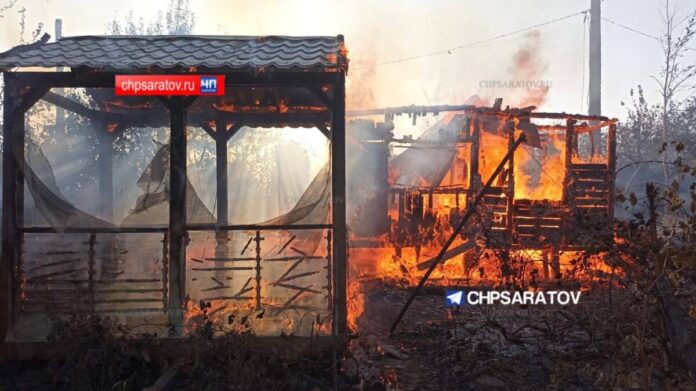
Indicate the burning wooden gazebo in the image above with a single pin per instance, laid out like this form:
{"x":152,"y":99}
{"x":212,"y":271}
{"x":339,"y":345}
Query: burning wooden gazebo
{"x":566,"y":199}
{"x":270,"y":82}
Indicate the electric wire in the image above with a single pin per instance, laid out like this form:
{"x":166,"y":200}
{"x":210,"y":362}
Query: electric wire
{"x":477,"y":43}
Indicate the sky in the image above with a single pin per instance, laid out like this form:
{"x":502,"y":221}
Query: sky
{"x":378,"y":31}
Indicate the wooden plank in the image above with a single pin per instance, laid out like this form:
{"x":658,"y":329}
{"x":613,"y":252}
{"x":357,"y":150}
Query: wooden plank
{"x":537,"y":231}
{"x":611,"y":167}
{"x":89,"y":230}
{"x":86,"y":77}
{"x":493,"y":190}
{"x":475,"y":181}
{"x":526,"y":213}
{"x":537,"y":221}
{"x":570,"y":130}
{"x":590,"y":202}
{"x":591,"y":174}
{"x":255,"y":227}
{"x":594,"y":185}
{"x":338,"y":190}
{"x":13,"y":201}
{"x":590,"y":193}
{"x":588,"y":166}
{"x":221,"y":140}
{"x":461,"y":249}
{"x":177,"y":212}
{"x":493,"y":200}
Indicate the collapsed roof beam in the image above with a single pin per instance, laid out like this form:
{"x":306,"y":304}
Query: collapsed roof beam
{"x":491,"y":111}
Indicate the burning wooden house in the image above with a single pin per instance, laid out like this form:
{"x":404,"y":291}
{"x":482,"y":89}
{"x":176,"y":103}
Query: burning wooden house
{"x":550,"y":199}
{"x":106,"y":208}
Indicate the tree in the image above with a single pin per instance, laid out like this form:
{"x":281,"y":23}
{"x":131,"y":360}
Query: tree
{"x":673,"y":75}
{"x":178,"y":19}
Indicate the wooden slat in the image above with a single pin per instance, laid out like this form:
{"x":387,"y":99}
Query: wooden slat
{"x":590,"y":202}
{"x":529,"y":221}
{"x":584,"y":193}
{"x":493,"y":200}
{"x":588,"y":166}
{"x":590,"y":185}
{"x":591,"y":174}
{"x":494,"y":191}
{"x":535,"y":214}
{"x":536,"y":231}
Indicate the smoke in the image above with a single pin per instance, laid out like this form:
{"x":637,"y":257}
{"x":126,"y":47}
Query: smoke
{"x":361,"y":81}
{"x":527,"y":69}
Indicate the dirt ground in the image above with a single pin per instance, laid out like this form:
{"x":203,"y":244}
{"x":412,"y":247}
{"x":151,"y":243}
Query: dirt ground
{"x":475,"y":347}
{"x":472,"y":348}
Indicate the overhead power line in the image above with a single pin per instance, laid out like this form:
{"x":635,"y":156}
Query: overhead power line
{"x":631,"y":29}
{"x":656,"y":38}
{"x":472,"y":44}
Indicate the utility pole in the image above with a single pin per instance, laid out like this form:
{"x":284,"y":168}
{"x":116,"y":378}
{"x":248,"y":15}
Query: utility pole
{"x":595,"y":90}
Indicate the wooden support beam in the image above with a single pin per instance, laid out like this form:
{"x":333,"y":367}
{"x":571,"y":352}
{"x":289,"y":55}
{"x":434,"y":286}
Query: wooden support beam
{"x":87,"y":78}
{"x":233,"y":130}
{"x":611,"y":168}
{"x":461,"y":249}
{"x":338,"y":206}
{"x":510,"y":216}
{"x":474,"y":174}
{"x":569,"y":147}
{"x":80,"y":109}
{"x":325,"y":131}
{"x":177,"y":211}
{"x":13,"y":202}
{"x":155,"y":118}
{"x":221,"y":139}
{"x":323,"y":96}
{"x":567,"y":195}
{"x":210,"y":131}
{"x":28,"y":99}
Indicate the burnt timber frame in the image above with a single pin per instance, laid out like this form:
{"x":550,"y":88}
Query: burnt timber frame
{"x":568,"y":205}
{"x":24,"y":89}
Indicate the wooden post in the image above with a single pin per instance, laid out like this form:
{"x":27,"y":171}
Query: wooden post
{"x":338,"y":205}
{"x":569,"y":147}
{"x":106,"y":173}
{"x":177,"y":211}
{"x":474,"y":175}
{"x":257,"y":268}
{"x":91,"y":254}
{"x":611,"y":169}
{"x":511,"y":182}
{"x":568,"y":180}
{"x":556,"y":263}
{"x":15,"y":105}
{"x":165,"y":271}
{"x":13,"y":203}
{"x":221,"y":237}
{"x":545,"y":255}
{"x":329,"y":270}
{"x":221,"y":140}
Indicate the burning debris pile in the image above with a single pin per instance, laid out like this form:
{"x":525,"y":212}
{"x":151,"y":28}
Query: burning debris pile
{"x":544,"y":220}
{"x":534,"y":221}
